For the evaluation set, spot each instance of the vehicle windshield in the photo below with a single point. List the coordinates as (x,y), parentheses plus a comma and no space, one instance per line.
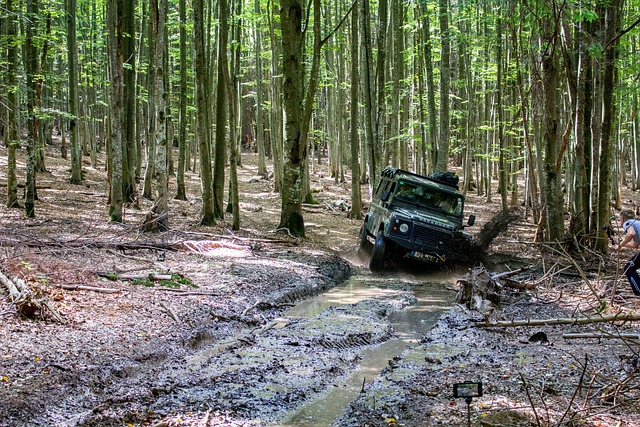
(429,198)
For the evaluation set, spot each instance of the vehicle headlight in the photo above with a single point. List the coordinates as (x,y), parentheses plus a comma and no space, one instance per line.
(404,227)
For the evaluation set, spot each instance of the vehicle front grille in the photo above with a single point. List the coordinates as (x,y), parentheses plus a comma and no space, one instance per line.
(430,237)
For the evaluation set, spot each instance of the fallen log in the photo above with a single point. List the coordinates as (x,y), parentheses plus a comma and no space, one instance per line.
(619,317)
(133,276)
(89,288)
(93,243)
(633,338)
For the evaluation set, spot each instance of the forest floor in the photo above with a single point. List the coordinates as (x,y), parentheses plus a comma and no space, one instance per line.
(186,327)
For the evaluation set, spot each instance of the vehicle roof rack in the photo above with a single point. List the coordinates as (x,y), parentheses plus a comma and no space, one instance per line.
(448,178)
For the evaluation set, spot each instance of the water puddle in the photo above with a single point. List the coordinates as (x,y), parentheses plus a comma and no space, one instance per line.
(411,323)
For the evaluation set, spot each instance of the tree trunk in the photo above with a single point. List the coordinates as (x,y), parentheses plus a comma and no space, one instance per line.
(30,60)
(431,89)
(161,206)
(260,144)
(231,81)
(551,131)
(275,134)
(202,120)
(114,25)
(295,152)
(220,152)
(11,139)
(371,142)
(380,102)
(356,197)
(129,151)
(72,52)
(181,193)
(442,152)
(612,23)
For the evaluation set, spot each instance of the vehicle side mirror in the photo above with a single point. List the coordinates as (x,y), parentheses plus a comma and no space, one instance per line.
(472,220)
(384,196)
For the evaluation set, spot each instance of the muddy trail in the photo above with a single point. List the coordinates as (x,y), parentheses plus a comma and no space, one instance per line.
(312,343)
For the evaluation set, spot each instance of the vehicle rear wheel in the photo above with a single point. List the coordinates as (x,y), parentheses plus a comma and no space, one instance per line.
(364,248)
(379,253)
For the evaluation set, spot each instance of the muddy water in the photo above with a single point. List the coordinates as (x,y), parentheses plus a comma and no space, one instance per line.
(430,299)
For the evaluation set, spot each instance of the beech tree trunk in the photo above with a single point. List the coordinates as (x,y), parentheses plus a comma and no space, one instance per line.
(114,25)
(72,52)
(295,151)
(12,140)
(207,216)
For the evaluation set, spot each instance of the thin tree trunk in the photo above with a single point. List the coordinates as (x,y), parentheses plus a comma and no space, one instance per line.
(356,197)
(442,153)
(30,60)
(231,82)
(72,52)
(12,140)
(114,24)
(371,143)
(161,206)
(260,144)
(220,152)
(181,193)
(129,152)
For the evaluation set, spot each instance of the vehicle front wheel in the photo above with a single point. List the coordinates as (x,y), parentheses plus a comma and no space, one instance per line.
(379,253)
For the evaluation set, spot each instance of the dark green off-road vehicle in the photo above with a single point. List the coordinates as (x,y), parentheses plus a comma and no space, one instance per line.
(415,216)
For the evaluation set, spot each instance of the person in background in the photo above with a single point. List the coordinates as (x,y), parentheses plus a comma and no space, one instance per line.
(631,227)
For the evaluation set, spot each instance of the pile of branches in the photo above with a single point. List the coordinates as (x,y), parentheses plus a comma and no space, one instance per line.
(28,304)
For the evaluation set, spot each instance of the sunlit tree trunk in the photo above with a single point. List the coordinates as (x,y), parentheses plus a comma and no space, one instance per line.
(231,81)
(114,38)
(502,161)
(147,189)
(260,144)
(161,206)
(12,140)
(276,120)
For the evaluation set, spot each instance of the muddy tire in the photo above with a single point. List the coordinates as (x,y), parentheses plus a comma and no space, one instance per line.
(378,254)
(364,248)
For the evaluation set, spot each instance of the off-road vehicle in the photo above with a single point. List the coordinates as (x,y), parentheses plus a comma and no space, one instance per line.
(415,216)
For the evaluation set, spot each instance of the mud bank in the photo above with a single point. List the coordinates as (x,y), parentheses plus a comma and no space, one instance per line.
(138,355)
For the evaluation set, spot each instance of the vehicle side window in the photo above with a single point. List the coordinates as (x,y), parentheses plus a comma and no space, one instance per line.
(385,187)
(381,188)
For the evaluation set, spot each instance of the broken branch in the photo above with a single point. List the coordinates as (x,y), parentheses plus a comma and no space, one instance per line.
(619,317)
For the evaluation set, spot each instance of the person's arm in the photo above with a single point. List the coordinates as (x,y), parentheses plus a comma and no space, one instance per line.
(628,241)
